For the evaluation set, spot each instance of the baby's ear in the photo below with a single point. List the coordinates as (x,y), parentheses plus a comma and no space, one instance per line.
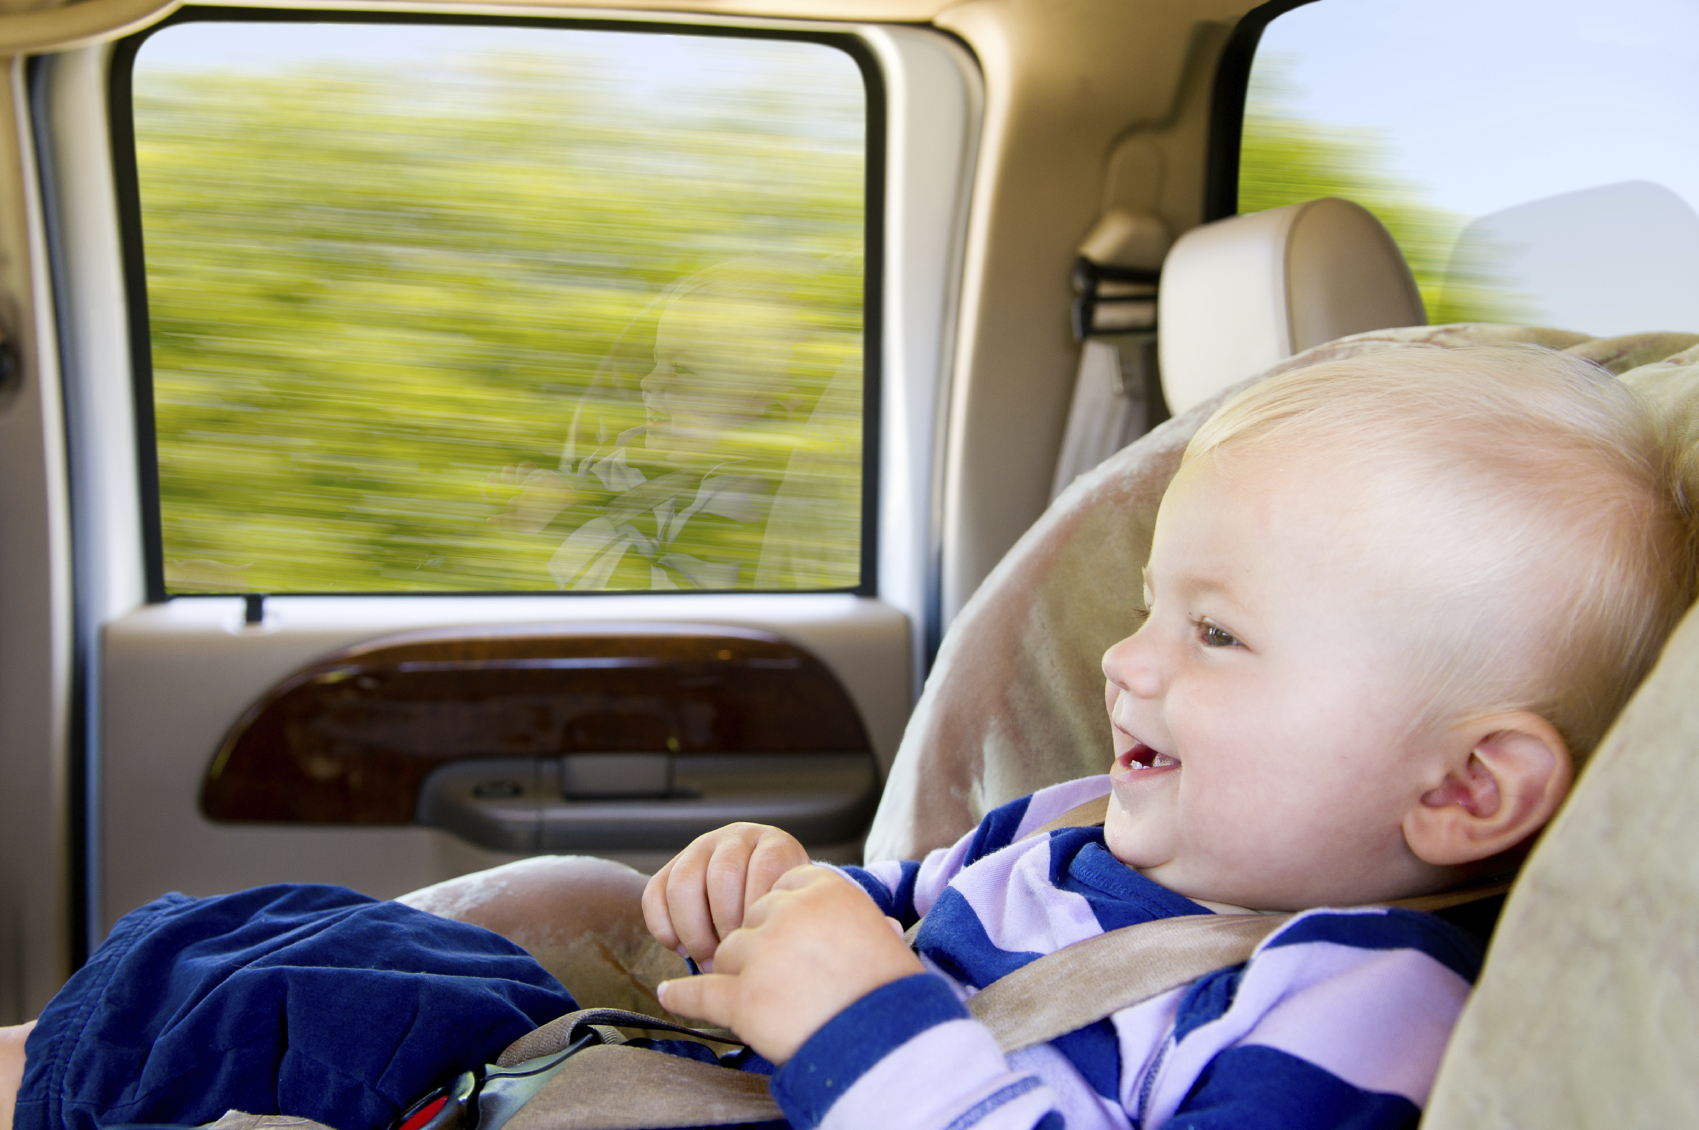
(1513,771)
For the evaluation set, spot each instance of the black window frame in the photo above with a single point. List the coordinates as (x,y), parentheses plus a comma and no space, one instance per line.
(120,108)
(1227,107)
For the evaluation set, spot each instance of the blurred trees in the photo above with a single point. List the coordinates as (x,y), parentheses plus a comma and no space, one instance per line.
(1286,160)
(367,291)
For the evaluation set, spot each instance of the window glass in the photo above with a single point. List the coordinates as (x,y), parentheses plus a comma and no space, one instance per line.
(1537,160)
(474,307)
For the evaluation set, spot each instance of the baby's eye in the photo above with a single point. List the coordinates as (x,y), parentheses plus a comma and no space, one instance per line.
(1211,635)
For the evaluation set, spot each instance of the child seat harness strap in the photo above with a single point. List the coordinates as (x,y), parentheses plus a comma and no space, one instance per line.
(1083,983)
(578,1074)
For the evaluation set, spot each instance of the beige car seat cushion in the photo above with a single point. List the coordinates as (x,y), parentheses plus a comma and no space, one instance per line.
(581,918)
(1015,699)
(1585,1013)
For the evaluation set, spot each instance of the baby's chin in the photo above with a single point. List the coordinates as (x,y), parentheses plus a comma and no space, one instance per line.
(1138,841)
(1149,845)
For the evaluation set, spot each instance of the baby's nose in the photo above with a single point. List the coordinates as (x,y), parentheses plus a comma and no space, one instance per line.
(1132,665)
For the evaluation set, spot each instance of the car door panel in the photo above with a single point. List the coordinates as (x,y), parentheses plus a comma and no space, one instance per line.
(179,676)
(173,678)
(555,737)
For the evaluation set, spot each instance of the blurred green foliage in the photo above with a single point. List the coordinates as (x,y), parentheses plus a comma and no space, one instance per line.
(1286,160)
(369,290)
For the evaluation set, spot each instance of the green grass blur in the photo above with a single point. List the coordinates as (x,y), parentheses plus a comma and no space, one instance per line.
(367,294)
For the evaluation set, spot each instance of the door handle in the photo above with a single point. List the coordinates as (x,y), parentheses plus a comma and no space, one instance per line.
(589,802)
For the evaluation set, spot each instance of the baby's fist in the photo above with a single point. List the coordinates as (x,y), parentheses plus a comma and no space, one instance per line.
(701,895)
(810,948)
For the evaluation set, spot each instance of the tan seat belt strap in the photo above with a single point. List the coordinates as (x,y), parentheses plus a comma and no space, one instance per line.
(1093,979)
(1090,980)
(624,1088)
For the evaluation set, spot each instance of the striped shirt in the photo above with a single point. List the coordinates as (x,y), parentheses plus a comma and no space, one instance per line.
(1338,1019)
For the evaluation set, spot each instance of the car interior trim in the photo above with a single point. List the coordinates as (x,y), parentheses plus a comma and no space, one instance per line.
(615,712)
(1227,107)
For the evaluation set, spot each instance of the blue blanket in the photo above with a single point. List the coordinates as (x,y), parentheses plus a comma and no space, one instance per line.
(309,1000)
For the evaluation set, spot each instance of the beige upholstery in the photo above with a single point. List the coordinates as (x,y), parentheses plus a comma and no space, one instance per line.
(1245,293)
(579,917)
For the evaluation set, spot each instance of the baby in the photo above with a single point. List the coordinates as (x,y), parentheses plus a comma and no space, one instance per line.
(1391,603)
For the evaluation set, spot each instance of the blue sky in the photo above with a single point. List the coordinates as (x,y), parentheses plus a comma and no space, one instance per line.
(1491,103)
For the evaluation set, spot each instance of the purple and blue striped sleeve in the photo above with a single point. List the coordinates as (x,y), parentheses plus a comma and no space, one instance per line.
(908,1054)
(890,885)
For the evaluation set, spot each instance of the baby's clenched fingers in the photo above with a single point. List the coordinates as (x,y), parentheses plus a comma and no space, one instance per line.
(776,852)
(687,906)
(655,914)
(727,873)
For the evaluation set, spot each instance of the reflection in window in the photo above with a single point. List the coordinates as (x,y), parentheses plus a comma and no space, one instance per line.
(499,308)
(685,465)
(1536,160)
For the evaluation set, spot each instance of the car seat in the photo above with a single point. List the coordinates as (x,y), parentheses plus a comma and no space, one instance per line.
(1584,1013)
(1584,1008)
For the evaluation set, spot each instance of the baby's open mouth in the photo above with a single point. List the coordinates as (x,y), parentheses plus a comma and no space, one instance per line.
(1142,756)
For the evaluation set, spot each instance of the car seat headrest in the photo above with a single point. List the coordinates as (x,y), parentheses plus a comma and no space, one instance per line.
(1247,292)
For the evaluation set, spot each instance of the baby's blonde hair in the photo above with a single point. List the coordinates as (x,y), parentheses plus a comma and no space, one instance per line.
(1515,464)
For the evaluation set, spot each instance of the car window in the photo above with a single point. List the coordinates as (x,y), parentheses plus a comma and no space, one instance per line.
(468,306)
(1537,160)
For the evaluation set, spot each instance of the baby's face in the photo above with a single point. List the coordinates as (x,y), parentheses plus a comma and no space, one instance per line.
(719,363)
(1268,737)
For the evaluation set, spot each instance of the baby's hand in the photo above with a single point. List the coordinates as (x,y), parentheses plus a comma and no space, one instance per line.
(698,898)
(810,948)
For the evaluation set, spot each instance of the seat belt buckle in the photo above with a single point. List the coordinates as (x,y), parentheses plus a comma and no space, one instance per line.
(485,1098)
(445,1108)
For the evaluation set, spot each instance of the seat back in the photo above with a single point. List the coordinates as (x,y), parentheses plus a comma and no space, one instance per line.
(1015,699)
(1247,292)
